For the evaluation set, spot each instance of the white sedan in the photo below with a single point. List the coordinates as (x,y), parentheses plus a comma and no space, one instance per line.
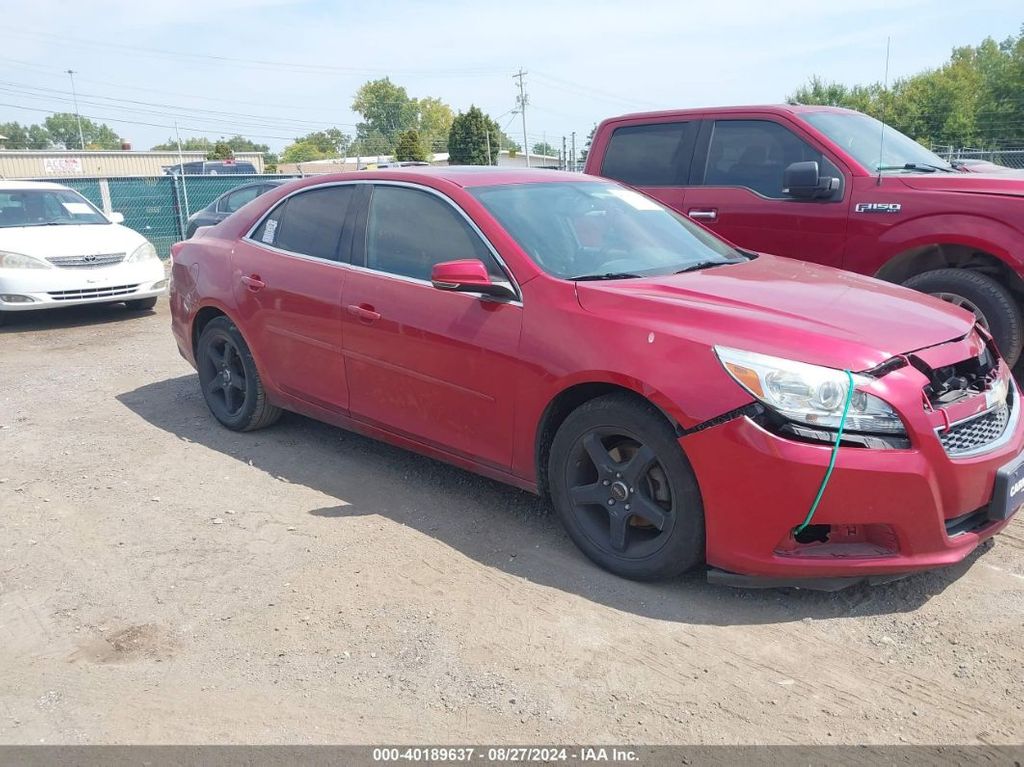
(57,249)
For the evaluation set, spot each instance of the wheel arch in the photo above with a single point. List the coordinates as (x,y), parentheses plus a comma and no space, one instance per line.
(573,396)
(951,255)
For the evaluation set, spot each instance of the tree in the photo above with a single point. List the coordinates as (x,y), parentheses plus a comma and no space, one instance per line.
(386,109)
(220,151)
(410,146)
(586,146)
(24,136)
(544,148)
(435,123)
(318,145)
(63,130)
(973,100)
(468,139)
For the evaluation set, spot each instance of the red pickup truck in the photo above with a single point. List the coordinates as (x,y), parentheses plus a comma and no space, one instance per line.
(831,186)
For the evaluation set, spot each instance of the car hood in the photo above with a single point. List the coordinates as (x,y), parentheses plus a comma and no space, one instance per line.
(785,308)
(968,183)
(69,240)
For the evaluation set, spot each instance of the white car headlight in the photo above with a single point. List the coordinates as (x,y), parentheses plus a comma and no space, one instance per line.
(21,261)
(145,252)
(809,394)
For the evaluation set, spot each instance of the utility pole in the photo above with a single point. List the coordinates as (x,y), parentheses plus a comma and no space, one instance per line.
(487,133)
(522,101)
(78,117)
(565,157)
(573,169)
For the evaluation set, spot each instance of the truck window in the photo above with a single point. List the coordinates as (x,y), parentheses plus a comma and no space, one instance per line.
(754,154)
(650,155)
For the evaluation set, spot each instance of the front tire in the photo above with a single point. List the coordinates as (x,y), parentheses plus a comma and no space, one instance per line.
(990,302)
(624,490)
(231,383)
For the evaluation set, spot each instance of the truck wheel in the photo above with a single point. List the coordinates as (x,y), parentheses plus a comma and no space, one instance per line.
(990,302)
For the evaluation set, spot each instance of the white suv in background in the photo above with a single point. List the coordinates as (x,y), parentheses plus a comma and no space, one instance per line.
(57,249)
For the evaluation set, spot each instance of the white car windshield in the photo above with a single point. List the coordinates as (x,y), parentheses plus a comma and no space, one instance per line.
(861,137)
(598,230)
(46,207)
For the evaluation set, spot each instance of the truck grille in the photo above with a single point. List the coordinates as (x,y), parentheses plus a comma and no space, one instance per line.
(87,262)
(109,292)
(975,433)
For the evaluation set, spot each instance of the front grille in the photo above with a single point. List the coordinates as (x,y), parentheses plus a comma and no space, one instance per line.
(109,292)
(87,262)
(975,433)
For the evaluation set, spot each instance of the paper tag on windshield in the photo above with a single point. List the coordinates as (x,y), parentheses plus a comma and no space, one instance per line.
(77,208)
(635,200)
(268,232)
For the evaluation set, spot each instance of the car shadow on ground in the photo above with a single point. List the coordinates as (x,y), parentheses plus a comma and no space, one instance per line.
(496,525)
(69,317)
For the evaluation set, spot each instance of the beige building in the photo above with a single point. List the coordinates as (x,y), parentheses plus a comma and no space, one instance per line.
(18,163)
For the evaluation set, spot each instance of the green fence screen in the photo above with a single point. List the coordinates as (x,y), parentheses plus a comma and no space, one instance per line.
(157,207)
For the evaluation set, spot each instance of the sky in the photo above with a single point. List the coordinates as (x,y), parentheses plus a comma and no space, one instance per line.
(276,69)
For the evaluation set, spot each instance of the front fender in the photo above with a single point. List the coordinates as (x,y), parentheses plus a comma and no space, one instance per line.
(974,231)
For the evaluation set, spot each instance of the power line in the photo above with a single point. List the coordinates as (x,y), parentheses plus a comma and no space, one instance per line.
(252,63)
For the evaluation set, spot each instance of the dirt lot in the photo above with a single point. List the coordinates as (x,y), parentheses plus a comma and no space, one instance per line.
(164,580)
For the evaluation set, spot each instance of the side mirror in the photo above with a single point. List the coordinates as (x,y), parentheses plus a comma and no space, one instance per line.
(801,180)
(116,218)
(468,276)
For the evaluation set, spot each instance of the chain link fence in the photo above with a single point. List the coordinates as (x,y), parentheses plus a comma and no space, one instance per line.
(1008,158)
(157,207)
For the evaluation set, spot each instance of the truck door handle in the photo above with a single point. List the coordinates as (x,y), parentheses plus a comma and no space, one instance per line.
(364,312)
(703,215)
(254,283)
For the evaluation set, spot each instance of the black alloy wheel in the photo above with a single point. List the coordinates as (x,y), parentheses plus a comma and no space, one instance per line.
(624,490)
(230,381)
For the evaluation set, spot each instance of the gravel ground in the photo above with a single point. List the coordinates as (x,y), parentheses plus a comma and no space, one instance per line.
(163,580)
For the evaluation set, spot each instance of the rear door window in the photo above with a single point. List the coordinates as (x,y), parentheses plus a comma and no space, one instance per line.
(650,155)
(236,200)
(309,223)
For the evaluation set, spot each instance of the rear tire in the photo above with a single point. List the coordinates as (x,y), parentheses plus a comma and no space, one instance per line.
(624,490)
(994,305)
(141,304)
(231,384)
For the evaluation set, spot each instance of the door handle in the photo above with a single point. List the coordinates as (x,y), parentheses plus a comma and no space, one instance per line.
(703,215)
(364,312)
(254,283)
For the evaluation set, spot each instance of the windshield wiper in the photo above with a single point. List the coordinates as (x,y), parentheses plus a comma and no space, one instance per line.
(924,167)
(605,276)
(703,265)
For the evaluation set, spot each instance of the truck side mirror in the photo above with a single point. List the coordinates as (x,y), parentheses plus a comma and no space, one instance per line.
(801,180)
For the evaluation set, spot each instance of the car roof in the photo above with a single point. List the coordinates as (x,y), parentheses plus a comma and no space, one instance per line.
(24,186)
(769,108)
(461,175)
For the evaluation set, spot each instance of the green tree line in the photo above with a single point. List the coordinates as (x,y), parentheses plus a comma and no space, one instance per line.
(975,99)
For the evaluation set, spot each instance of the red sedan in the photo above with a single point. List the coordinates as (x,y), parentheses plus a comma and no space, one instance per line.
(681,400)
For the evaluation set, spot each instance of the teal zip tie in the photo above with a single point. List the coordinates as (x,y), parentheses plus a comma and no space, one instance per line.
(832,460)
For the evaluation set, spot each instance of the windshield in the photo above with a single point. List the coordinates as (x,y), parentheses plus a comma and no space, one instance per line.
(861,137)
(46,207)
(599,230)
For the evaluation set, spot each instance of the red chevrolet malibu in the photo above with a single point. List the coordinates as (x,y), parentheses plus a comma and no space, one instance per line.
(681,400)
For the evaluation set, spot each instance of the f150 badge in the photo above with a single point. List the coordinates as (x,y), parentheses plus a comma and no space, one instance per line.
(878,207)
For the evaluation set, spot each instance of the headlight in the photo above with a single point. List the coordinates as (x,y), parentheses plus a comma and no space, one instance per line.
(145,252)
(21,261)
(809,394)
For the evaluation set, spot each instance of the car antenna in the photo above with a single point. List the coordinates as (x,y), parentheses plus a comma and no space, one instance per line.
(885,93)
